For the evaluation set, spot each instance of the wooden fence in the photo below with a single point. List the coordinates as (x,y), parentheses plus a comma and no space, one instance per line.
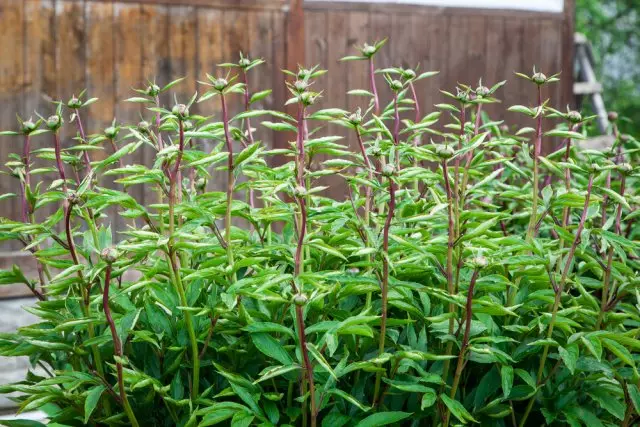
(52,49)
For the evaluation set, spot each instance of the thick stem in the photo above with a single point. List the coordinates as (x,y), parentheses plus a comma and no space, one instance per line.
(374,89)
(59,163)
(87,160)
(230,183)
(465,341)
(558,296)
(385,283)
(117,348)
(449,267)
(302,229)
(247,105)
(537,149)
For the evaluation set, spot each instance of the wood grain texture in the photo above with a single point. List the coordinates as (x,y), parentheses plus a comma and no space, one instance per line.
(56,48)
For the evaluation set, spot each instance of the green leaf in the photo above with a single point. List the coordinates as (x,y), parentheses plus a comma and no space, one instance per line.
(383,419)
(268,327)
(258,96)
(570,356)
(506,375)
(346,396)
(428,399)
(457,409)
(320,359)
(634,394)
(271,347)
(90,403)
(608,402)
(276,371)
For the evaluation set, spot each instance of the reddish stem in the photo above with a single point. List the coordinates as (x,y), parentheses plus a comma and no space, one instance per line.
(87,160)
(374,90)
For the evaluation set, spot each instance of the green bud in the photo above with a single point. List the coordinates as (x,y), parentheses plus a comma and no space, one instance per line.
(303,74)
(395,85)
(220,84)
(28,126)
(300,299)
(408,74)
(388,170)
(482,91)
(539,78)
(54,122)
(368,51)
(376,151)
(479,262)
(355,118)
(111,132)
(300,86)
(299,191)
(574,117)
(180,110)
(74,103)
(153,90)
(612,116)
(244,62)
(73,198)
(307,98)
(143,127)
(109,255)
(625,168)
(445,151)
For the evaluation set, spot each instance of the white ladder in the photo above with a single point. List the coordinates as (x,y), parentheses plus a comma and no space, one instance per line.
(586,83)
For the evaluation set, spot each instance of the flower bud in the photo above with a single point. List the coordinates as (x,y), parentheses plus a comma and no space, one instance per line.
(388,170)
(28,126)
(368,51)
(54,122)
(143,127)
(539,78)
(482,91)
(594,167)
(574,117)
(445,151)
(504,128)
(612,116)
(625,168)
(220,84)
(111,132)
(300,86)
(395,85)
(73,198)
(299,191)
(153,90)
(300,299)
(625,137)
(201,183)
(376,151)
(355,118)
(307,98)
(187,125)
(479,262)
(74,103)
(109,255)
(180,110)
(244,62)
(408,74)
(303,73)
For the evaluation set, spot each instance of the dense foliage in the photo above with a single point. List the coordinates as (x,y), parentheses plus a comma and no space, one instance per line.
(466,276)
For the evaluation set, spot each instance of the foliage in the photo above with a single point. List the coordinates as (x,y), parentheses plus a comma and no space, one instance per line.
(474,279)
(612,29)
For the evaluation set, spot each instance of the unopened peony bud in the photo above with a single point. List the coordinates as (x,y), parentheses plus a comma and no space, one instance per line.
(109,255)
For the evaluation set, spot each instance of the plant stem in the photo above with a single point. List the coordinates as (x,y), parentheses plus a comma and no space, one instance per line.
(537,148)
(465,342)
(175,270)
(26,185)
(117,348)
(416,140)
(247,105)
(385,283)
(560,290)
(300,160)
(87,160)
(374,89)
(449,267)
(230,183)
(59,163)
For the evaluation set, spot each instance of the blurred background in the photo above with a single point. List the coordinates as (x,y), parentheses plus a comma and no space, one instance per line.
(53,49)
